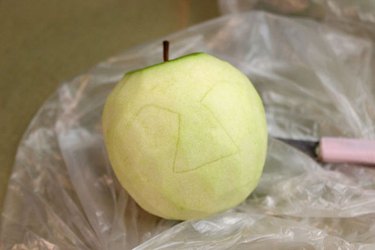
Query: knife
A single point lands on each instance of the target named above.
(337, 149)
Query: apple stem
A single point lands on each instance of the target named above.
(165, 51)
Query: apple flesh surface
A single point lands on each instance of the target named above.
(186, 138)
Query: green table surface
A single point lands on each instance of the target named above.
(45, 42)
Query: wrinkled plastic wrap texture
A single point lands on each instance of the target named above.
(316, 76)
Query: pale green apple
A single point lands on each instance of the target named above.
(186, 138)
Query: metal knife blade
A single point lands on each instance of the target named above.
(309, 147)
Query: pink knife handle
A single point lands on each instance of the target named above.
(345, 150)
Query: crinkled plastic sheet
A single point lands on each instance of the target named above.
(315, 77)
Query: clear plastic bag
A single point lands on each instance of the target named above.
(315, 78)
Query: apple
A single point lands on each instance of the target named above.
(186, 138)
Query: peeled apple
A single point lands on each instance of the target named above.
(186, 138)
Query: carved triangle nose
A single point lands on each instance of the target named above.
(202, 141)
